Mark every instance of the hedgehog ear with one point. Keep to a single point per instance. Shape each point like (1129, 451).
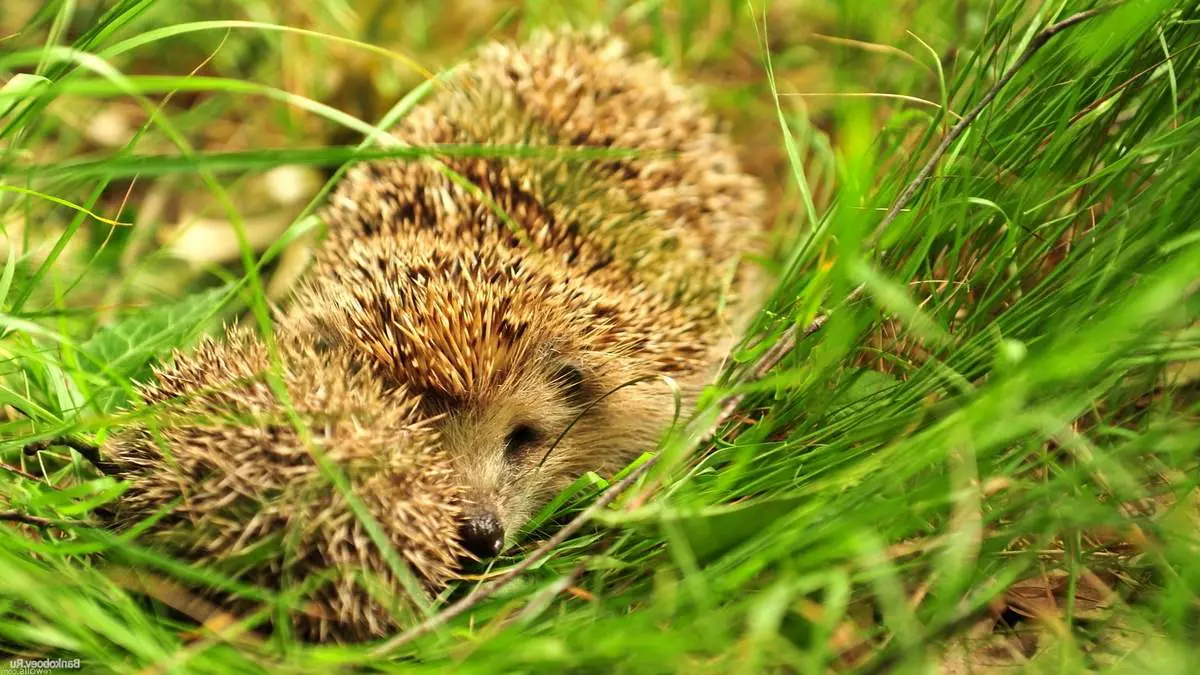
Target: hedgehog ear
(570, 379)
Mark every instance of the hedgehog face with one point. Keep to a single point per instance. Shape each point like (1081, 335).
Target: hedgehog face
(545, 426)
(503, 447)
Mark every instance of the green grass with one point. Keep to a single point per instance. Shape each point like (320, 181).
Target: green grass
(989, 457)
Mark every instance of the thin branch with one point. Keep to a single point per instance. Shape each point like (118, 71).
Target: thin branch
(37, 521)
(88, 451)
(957, 130)
(787, 341)
(868, 94)
(541, 601)
(20, 472)
(873, 47)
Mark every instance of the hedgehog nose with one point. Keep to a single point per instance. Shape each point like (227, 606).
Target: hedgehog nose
(482, 535)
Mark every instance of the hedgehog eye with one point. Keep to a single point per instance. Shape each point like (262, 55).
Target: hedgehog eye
(519, 440)
(570, 379)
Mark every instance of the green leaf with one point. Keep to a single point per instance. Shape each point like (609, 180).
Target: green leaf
(128, 348)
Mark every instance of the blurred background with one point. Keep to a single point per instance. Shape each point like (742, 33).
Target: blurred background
(176, 235)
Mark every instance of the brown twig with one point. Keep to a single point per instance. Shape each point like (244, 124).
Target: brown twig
(19, 472)
(772, 356)
(88, 451)
(38, 521)
(543, 599)
(957, 130)
(787, 341)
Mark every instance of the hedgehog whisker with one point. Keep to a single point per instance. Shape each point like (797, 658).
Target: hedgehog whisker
(667, 379)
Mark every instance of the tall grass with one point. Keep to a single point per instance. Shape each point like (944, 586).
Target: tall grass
(986, 457)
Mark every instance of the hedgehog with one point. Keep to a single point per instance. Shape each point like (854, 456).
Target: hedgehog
(522, 295)
(233, 485)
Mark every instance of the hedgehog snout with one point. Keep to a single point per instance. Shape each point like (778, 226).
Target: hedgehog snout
(482, 535)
